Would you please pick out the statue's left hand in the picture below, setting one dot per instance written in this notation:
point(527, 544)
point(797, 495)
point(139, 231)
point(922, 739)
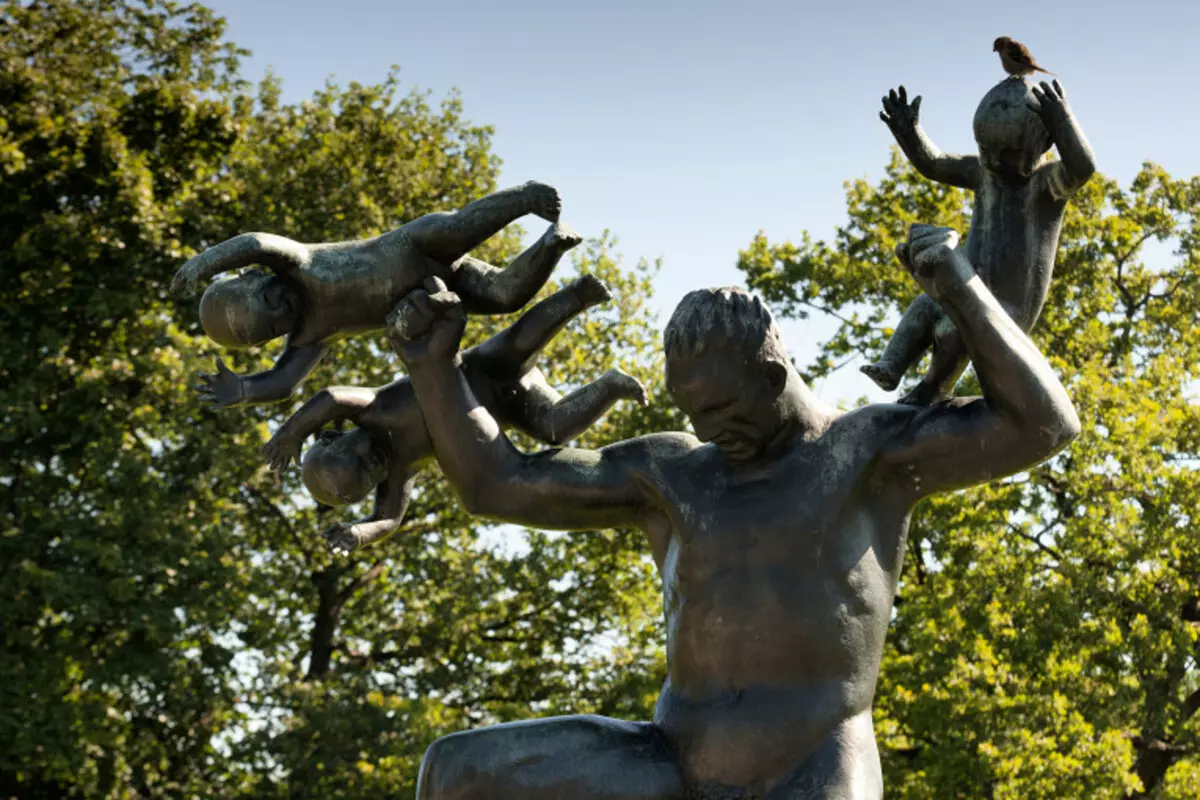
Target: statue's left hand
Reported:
point(1051, 103)
point(222, 388)
point(929, 254)
point(281, 451)
point(427, 324)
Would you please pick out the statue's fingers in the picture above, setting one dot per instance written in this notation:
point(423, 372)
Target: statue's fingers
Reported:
point(417, 303)
point(916, 105)
point(903, 256)
point(1058, 88)
point(222, 369)
point(444, 301)
point(434, 285)
point(903, 95)
point(887, 104)
point(883, 116)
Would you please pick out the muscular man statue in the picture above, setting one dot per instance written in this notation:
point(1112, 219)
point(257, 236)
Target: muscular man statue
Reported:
point(778, 530)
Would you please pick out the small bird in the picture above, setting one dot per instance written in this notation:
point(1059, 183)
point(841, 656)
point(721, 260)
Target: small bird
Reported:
point(1016, 58)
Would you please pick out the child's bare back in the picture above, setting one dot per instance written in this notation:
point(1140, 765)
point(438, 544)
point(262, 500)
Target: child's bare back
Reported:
point(316, 294)
point(1019, 206)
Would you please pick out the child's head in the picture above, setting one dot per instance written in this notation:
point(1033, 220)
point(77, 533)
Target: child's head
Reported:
point(342, 468)
point(1011, 136)
point(250, 309)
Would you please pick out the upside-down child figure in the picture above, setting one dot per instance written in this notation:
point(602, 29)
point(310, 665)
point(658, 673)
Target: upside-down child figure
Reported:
point(1020, 201)
point(390, 443)
point(315, 294)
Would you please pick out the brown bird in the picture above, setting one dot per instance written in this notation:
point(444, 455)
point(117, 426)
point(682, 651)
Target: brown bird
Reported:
point(1016, 58)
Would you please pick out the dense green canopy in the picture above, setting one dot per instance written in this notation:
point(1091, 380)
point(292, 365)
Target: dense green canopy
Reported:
point(174, 627)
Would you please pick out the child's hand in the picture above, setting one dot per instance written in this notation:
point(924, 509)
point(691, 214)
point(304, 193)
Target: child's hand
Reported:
point(281, 451)
point(1051, 104)
point(899, 115)
point(223, 389)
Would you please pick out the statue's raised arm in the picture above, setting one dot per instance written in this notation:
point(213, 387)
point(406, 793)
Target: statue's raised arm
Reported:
point(1024, 415)
point(569, 488)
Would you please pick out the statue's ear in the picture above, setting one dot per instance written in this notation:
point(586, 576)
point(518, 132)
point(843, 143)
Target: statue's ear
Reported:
point(776, 375)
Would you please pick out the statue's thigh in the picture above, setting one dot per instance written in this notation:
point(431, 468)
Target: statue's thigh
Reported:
point(562, 758)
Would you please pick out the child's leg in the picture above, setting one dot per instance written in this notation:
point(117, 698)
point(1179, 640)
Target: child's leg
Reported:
point(950, 359)
point(511, 352)
point(484, 289)
point(447, 236)
point(912, 337)
point(540, 411)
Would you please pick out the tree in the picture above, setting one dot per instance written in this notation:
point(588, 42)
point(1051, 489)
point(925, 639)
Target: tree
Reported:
point(173, 625)
point(1045, 636)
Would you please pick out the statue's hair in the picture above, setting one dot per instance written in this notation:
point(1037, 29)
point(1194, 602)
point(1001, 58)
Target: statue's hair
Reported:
point(1005, 119)
point(725, 316)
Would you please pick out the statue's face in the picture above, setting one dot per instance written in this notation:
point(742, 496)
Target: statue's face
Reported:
point(248, 310)
point(342, 469)
point(731, 402)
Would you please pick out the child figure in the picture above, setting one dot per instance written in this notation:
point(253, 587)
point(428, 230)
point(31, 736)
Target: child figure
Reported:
point(390, 444)
point(321, 292)
point(1019, 207)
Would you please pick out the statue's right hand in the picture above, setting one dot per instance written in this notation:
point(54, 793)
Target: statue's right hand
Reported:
point(281, 451)
point(222, 388)
point(900, 115)
point(427, 324)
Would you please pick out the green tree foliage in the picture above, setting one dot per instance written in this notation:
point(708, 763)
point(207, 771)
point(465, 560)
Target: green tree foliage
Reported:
point(173, 625)
point(1045, 636)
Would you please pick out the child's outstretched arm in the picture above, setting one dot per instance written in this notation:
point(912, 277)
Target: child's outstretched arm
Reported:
point(903, 119)
point(278, 253)
point(226, 388)
point(391, 501)
point(1076, 162)
point(327, 405)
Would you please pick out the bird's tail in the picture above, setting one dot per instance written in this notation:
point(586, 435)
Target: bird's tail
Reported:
point(1046, 71)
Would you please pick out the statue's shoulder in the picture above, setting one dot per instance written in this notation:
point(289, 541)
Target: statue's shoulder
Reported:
point(667, 442)
point(658, 448)
point(874, 424)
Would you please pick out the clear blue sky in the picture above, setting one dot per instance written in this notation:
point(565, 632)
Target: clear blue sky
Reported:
point(685, 127)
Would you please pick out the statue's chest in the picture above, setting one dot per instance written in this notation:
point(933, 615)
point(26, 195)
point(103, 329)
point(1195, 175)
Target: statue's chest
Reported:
point(763, 520)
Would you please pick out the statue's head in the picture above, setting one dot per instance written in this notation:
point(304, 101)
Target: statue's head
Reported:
point(1011, 136)
point(250, 309)
point(727, 369)
point(342, 468)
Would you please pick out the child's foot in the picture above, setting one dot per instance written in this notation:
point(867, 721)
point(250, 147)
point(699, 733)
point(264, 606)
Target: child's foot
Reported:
point(627, 386)
point(342, 540)
point(884, 378)
point(561, 237)
point(543, 200)
point(923, 394)
point(591, 291)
